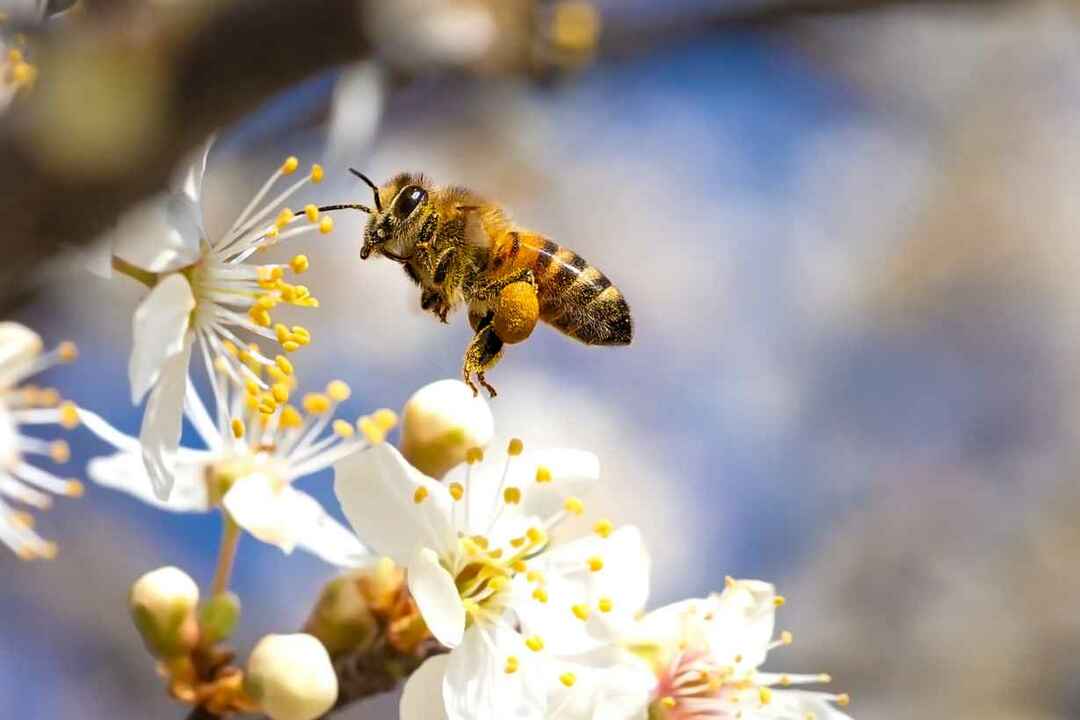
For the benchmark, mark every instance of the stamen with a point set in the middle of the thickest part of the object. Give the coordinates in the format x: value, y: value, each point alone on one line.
x: 371, y: 431
x: 512, y: 495
x: 283, y: 363
x: 574, y: 505
x: 568, y: 679
x: 779, y: 600
x: 540, y: 594
x: 69, y: 416
x: 535, y: 643
x: 765, y: 695
x: 343, y: 428
x: 59, y: 451
x: 299, y: 264
x: 456, y: 490
x: 67, y: 352
x: 317, y: 173
x: 326, y: 225
x: 667, y: 702
x: 316, y: 403
x: 581, y: 612
x: 604, y: 605
x: 289, y: 166
x: 420, y: 494
x: 237, y: 428
x: 338, y: 390
x: 515, y: 448
x: 843, y: 700
x: 74, y: 489
x: 385, y: 419
x: 511, y: 665
x: 543, y: 474
x: 474, y: 455
x: 595, y: 563
x: 603, y: 527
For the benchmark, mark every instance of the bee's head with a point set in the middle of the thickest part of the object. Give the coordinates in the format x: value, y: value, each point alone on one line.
x: 401, y: 207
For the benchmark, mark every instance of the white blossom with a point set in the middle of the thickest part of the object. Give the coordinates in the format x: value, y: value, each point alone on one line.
x: 706, y: 655
x: 21, y: 356
x: 257, y: 445
x: 203, y: 292
x: 526, y: 617
x: 291, y: 677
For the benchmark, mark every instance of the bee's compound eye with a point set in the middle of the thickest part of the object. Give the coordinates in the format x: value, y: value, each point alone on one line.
x: 408, y: 199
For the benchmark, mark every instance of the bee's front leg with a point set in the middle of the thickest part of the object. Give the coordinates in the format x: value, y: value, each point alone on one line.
x: 435, y: 302
x: 483, y: 353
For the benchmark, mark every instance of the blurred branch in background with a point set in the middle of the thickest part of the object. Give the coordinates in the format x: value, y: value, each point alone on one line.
x: 129, y: 90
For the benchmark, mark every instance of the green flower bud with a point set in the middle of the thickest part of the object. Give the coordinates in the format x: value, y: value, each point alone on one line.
x: 218, y: 617
x: 163, y: 608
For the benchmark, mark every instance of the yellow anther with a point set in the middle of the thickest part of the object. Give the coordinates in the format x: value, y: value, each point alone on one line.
x: 518, y: 566
x: 15, y: 56
x: 221, y: 365
x: 343, y: 428
x: 385, y: 418
x: 474, y: 455
x: 498, y: 583
x: 48, y: 397
x: 282, y: 334
x: 540, y: 594
x: 316, y: 403
x: 326, y: 225
x: 267, y: 301
x: 67, y: 351
x: 69, y: 415
x: 536, y: 536
x: 299, y: 264
x: 481, y: 541
x: 270, y: 234
x: 420, y: 494
x: 515, y: 447
x: 543, y: 474
x: 568, y: 679
x: 300, y: 333
x: 267, y: 405
x: 534, y: 643
x: 511, y: 665
x: 74, y: 488
x: 280, y: 391
x: 372, y: 432
x: 574, y: 505
x: 59, y: 451
x: 259, y: 316
x: 289, y: 166
x: 517, y: 542
x: 738, y: 658
x: 824, y: 677
x: 312, y: 213
x: 764, y: 695
x: 786, y: 638
x: 48, y: 550
x: 22, y: 519
x: 843, y: 700
x: 581, y: 612
x: 237, y: 428
x: 603, y: 527
x: 779, y: 600
x: 729, y: 582
x: 317, y: 173
x: 595, y: 563
x: 512, y: 495
x: 290, y: 346
x: 534, y: 576
x: 283, y: 218
x: 667, y: 702
x: 283, y: 362
x: 457, y: 490
x: 604, y: 604
x: 290, y: 417
x: 252, y: 387
x: 338, y: 390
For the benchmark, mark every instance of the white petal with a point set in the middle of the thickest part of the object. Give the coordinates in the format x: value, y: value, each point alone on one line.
x: 436, y: 596
x: 328, y: 539
x: 422, y: 698
x: 477, y: 686
x: 573, y: 472
x: 126, y: 472
x: 160, y: 331
x: 377, y: 489
x: 743, y: 622
x: 160, y: 235
x: 19, y: 347
x: 162, y: 422
x: 190, y: 182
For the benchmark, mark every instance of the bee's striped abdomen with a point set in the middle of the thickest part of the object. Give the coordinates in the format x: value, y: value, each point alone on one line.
x: 575, y: 297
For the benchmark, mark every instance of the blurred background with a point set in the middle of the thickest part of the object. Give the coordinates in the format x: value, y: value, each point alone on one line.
x: 848, y: 243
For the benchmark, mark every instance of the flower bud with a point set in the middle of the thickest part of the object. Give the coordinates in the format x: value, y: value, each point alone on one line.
x: 218, y: 617
x: 342, y: 619
x: 291, y: 677
x: 163, y: 608
x: 440, y: 422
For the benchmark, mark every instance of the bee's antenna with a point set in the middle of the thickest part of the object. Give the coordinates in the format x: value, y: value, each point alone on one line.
x: 349, y: 206
x: 373, y: 186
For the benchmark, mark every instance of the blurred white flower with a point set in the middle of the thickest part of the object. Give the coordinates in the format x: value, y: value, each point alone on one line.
x: 251, y: 459
x: 527, y: 619
x: 21, y: 357
x: 705, y: 654
x: 16, y: 73
x: 202, y: 292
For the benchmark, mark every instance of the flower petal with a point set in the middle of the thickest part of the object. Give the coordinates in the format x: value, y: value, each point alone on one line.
x: 422, y: 698
x: 476, y: 684
x: 162, y: 422
x: 436, y: 596
x: 743, y: 621
x: 160, y: 330
x: 190, y: 182
x: 325, y: 537
x: 19, y: 347
x: 126, y: 472
x: 161, y: 235
x: 573, y: 472
x: 378, y: 491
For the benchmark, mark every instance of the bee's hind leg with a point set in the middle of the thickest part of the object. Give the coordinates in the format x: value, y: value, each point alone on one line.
x: 483, y: 353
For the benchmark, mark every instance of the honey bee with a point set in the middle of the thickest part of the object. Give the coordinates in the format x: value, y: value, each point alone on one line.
x: 462, y: 249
